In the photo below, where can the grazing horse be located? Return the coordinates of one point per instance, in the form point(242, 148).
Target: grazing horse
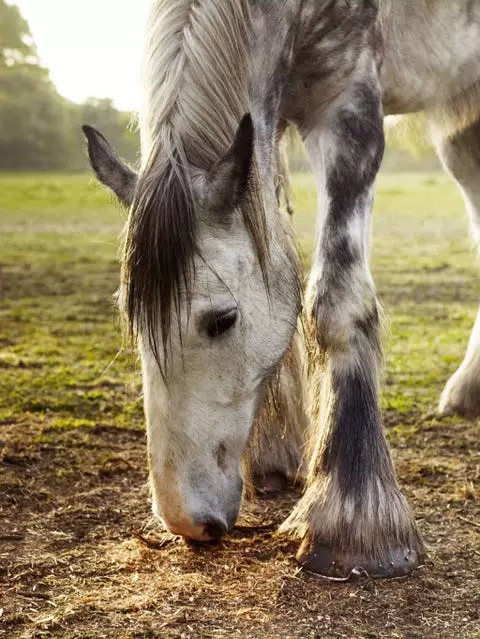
point(211, 287)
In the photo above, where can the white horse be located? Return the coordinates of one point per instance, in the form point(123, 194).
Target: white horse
point(211, 286)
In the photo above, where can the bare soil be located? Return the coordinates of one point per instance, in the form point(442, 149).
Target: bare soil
point(79, 556)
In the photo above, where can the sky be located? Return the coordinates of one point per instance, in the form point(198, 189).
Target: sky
point(91, 47)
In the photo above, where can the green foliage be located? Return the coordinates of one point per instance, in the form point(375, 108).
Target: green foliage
point(34, 123)
point(16, 44)
point(39, 129)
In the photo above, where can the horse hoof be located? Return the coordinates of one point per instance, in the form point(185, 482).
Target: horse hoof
point(467, 409)
point(343, 566)
point(271, 484)
point(461, 396)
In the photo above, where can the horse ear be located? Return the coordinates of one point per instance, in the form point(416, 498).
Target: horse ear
point(108, 167)
point(227, 180)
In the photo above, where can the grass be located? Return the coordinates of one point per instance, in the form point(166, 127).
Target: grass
point(59, 273)
point(72, 452)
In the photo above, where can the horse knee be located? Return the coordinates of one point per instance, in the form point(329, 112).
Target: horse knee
point(340, 320)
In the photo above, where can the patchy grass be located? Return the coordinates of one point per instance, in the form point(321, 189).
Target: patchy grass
point(78, 556)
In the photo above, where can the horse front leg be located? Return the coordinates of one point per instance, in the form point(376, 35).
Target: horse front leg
point(352, 515)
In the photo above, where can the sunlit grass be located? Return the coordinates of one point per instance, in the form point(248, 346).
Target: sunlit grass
point(59, 270)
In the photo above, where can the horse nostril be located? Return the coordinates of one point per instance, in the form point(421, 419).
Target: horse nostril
point(215, 529)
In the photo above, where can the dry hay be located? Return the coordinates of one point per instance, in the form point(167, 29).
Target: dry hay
point(76, 561)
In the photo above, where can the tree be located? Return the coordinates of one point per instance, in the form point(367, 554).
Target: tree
point(33, 121)
point(16, 43)
point(32, 118)
point(39, 129)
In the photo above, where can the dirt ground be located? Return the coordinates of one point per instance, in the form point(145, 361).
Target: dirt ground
point(79, 554)
point(76, 560)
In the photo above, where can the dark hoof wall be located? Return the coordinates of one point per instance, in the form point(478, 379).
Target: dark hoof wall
point(342, 566)
point(271, 484)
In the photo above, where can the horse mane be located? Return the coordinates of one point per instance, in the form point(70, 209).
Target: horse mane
point(195, 91)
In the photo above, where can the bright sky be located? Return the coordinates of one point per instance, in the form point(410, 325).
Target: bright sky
point(92, 47)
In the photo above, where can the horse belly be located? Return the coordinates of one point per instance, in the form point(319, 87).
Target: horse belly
point(432, 52)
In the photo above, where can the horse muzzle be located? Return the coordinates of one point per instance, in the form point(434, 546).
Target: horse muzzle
point(197, 519)
point(209, 531)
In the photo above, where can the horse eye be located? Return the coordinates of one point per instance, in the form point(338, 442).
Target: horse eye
point(221, 323)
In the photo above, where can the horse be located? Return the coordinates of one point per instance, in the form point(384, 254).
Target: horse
point(245, 376)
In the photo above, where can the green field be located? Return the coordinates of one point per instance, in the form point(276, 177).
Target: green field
point(72, 456)
point(59, 273)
